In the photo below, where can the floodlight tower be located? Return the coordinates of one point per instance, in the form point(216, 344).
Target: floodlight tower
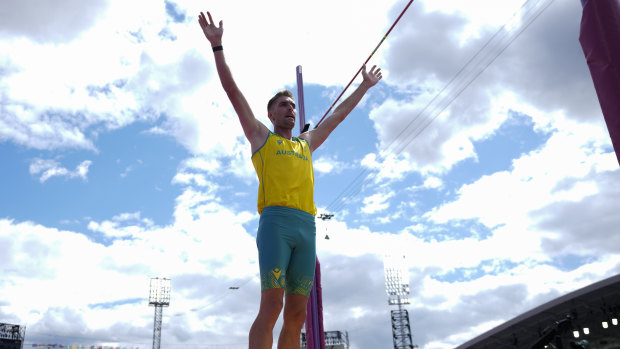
point(159, 297)
point(397, 288)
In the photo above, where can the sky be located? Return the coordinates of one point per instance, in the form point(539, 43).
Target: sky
point(482, 157)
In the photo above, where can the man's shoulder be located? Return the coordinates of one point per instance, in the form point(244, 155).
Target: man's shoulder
point(256, 148)
point(303, 138)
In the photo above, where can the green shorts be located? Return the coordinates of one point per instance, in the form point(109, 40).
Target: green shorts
point(286, 242)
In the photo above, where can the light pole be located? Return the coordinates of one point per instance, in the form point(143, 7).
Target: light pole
point(159, 297)
point(397, 288)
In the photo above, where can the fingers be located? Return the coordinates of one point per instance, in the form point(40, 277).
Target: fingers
point(202, 19)
point(374, 72)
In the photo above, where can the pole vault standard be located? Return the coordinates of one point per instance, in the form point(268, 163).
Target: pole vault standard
point(301, 111)
point(600, 41)
point(315, 337)
point(315, 334)
point(367, 59)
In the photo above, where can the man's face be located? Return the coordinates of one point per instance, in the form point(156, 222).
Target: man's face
point(282, 113)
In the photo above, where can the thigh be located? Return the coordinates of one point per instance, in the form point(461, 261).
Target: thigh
point(300, 275)
point(274, 252)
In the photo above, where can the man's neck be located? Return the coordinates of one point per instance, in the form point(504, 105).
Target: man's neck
point(284, 133)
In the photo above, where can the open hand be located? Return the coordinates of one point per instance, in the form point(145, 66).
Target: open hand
point(372, 77)
point(213, 33)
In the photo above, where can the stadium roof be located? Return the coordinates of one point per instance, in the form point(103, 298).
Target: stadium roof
point(591, 307)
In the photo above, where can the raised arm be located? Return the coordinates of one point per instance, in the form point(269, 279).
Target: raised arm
point(317, 136)
point(255, 131)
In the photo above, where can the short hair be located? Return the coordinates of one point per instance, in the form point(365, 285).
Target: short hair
point(281, 93)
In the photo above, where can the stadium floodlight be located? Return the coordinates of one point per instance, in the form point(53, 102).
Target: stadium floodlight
point(604, 324)
point(397, 288)
point(159, 297)
point(396, 280)
point(586, 330)
point(159, 293)
point(614, 321)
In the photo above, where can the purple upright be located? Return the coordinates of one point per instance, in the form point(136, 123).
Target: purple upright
point(315, 337)
point(300, 99)
point(600, 41)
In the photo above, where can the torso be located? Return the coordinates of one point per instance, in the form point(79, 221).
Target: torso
point(285, 173)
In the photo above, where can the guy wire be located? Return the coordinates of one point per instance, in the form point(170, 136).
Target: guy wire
point(452, 93)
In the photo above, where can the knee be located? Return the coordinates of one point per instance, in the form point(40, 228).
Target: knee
point(274, 305)
point(270, 309)
point(295, 316)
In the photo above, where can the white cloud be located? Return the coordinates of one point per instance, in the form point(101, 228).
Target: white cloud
point(511, 83)
point(52, 168)
point(206, 250)
point(388, 167)
point(44, 22)
point(119, 227)
point(414, 138)
point(206, 240)
point(205, 168)
point(433, 182)
point(534, 182)
point(328, 165)
point(377, 202)
point(490, 291)
point(189, 178)
point(127, 170)
point(110, 70)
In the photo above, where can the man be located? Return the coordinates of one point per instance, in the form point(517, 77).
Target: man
point(283, 163)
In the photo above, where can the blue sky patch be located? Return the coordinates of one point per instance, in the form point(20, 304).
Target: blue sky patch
point(114, 304)
point(132, 169)
point(571, 261)
point(487, 267)
point(174, 12)
point(514, 138)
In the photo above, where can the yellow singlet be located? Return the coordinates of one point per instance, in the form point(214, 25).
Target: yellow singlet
point(285, 174)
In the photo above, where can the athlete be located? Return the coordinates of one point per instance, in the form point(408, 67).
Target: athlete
point(283, 163)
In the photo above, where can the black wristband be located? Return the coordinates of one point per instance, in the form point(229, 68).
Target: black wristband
point(217, 48)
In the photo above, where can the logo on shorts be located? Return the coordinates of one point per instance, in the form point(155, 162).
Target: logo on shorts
point(276, 272)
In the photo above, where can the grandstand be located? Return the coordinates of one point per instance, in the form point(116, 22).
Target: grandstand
point(587, 318)
point(12, 336)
